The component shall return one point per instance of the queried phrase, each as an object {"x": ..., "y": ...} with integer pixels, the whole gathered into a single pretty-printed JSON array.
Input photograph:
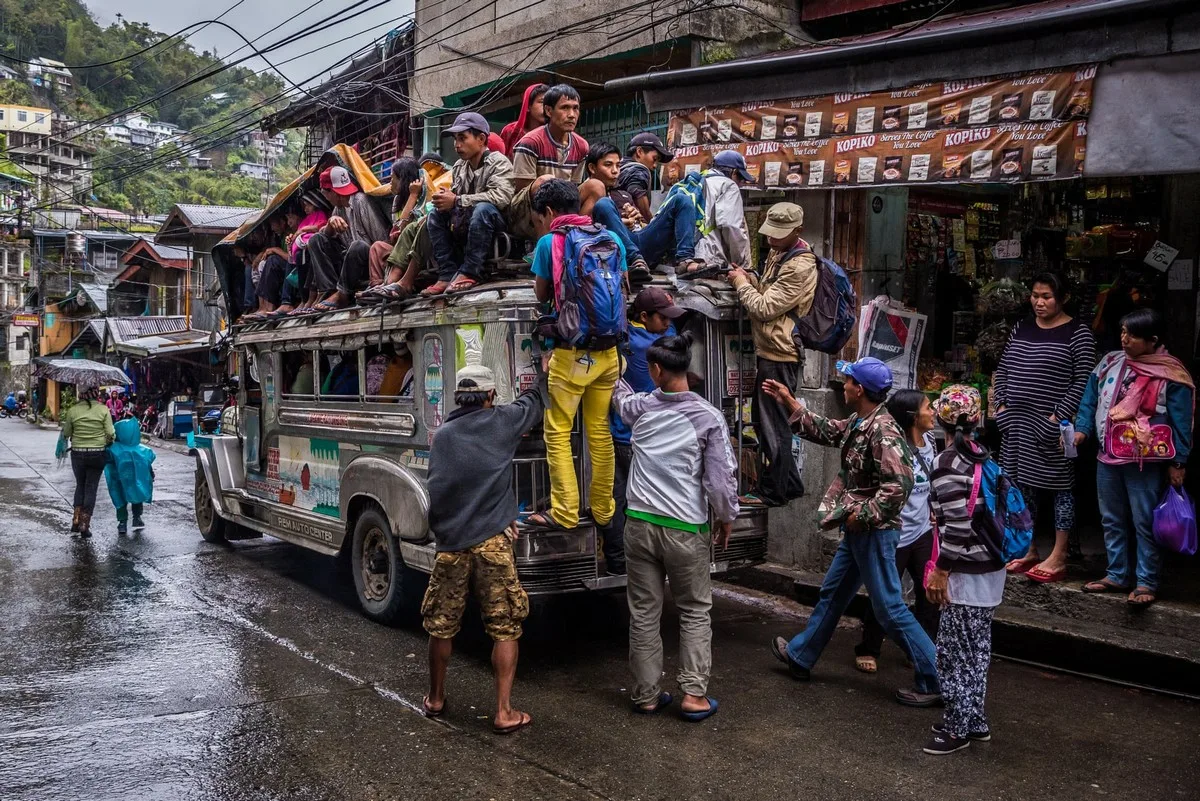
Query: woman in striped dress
[{"x": 1039, "y": 383}]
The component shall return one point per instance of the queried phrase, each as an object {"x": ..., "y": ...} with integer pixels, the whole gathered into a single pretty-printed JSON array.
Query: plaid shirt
[{"x": 877, "y": 467}]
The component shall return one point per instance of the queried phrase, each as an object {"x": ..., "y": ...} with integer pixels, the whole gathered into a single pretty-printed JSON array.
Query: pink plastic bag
[{"x": 1175, "y": 522}]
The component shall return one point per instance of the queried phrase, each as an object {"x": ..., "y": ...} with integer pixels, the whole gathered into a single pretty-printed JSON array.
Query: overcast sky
[{"x": 259, "y": 21}]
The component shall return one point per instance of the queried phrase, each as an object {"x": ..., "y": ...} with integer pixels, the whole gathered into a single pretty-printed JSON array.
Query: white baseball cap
[{"x": 337, "y": 179}]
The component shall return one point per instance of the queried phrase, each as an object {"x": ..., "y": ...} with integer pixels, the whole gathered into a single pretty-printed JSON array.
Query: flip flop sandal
[
  {"x": 1045, "y": 576},
  {"x": 429, "y": 711},
  {"x": 696, "y": 717},
  {"x": 326, "y": 306},
  {"x": 866, "y": 664},
  {"x": 1019, "y": 567},
  {"x": 1102, "y": 586},
  {"x": 434, "y": 291},
  {"x": 539, "y": 521},
  {"x": 526, "y": 720},
  {"x": 664, "y": 701},
  {"x": 703, "y": 272},
  {"x": 1138, "y": 592},
  {"x": 460, "y": 285}
]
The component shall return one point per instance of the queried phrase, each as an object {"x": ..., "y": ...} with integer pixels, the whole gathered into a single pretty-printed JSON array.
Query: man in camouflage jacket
[{"x": 865, "y": 501}]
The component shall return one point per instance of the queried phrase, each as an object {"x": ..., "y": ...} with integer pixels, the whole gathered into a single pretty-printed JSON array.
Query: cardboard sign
[{"x": 1161, "y": 256}]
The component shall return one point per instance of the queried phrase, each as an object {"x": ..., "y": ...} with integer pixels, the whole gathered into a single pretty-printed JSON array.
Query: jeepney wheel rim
[
  {"x": 203, "y": 504},
  {"x": 376, "y": 565}
]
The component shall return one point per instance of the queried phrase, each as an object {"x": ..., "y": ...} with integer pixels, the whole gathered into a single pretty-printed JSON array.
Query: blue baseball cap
[
  {"x": 733, "y": 160},
  {"x": 869, "y": 372}
]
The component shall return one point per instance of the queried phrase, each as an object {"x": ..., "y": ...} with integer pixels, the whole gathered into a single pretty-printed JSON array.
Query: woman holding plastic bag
[
  {"x": 129, "y": 474},
  {"x": 1139, "y": 405}
]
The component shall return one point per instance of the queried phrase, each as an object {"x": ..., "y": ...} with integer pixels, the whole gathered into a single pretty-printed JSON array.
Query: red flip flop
[
  {"x": 1045, "y": 576},
  {"x": 1021, "y": 566}
]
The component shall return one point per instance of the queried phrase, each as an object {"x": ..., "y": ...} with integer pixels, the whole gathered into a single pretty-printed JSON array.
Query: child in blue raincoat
[{"x": 129, "y": 474}]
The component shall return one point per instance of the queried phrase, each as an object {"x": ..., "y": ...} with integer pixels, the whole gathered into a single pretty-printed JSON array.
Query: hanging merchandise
[{"x": 892, "y": 333}]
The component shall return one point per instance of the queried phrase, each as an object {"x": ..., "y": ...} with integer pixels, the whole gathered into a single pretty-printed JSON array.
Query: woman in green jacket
[{"x": 88, "y": 427}]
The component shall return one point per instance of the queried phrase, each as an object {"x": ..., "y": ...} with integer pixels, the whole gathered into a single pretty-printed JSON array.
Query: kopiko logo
[
  {"x": 1081, "y": 129},
  {"x": 690, "y": 150},
  {"x": 753, "y": 106},
  {"x": 855, "y": 143},
  {"x": 760, "y": 148},
  {"x": 847, "y": 98},
  {"x": 1086, "y": 74},
  {"x": 954, "y": 87},
  {"x": 967, "y": 137}
]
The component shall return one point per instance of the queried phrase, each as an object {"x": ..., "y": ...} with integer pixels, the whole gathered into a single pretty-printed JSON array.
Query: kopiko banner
[{"x": 1011, "y": 128}]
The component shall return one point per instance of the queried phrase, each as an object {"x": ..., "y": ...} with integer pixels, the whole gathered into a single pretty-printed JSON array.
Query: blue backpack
[
  {"x": 831, "y": 319},
  {"x": 1004, "y": 521},
  {"x": 588, "y": 293}
]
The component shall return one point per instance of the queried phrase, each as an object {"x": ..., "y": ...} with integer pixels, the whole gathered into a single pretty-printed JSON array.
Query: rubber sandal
[
  {"x": 459, "y": 285},
  {"x": 1102, "y": 586},
  {"x": 779, "y": 649},
  {"x": 526, "y": 720},
  {"x": 539, "y": 521},
  {"x": 429, "y": 711},
  {"x": 325, "y": 306},
  {"x": 1018, "y": 567},
  {"x": 1140, "y": 591},
  {"x": 437, "y": 289},
  {"x": 696, "y": 717},
  {"x": 1045, "y": 576},
  {"x": 866, "y": 664},
  {"x": 664, "y": 701}
]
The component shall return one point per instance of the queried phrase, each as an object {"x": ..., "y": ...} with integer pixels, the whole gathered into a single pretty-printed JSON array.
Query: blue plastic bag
[{"x": 1175, "y": 522}]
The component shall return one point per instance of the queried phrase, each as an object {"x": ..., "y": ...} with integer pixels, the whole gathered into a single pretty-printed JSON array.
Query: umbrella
[{"x": 81, "y": 372}]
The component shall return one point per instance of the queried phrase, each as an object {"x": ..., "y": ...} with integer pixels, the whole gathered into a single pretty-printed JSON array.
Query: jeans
[
  {"x": 485, "y": 222},
  {"x": 778, "y": 478},
  {"x": 249, "y": 294},
  {"x": 911, "y": 559},
  {"x": 87, "y": 466},
  {"x": 1127, "y": 500},
  {"x": 869, "y": 559},
  {"x": 580, "y": 378},
  {"x": 672, "y": 231},
  {"x": 656, "y": 555}
]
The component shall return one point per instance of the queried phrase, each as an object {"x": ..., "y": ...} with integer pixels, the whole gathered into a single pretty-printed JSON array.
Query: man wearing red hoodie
[{"x": 532, "y": 116}]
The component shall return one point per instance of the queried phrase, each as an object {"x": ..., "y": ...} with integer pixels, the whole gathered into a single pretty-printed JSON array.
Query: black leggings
[
  {"x": 87, "y": 466},
  {"x": 911, "y": 558}
]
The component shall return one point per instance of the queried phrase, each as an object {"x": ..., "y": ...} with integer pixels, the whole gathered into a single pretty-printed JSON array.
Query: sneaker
[
  {"x": 138, "y": 524},
  {"x": 977, "y": 736},
  {"x": 122, "y": 528},
  {"x": 779, "y": 650},
  {"x": 917, "y": 698},
  {"x": 940, "y": 744}
]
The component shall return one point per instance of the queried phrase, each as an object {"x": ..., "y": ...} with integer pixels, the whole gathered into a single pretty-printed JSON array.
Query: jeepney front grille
[
  {"x": 558, "y": 575},
  {"x": 751, "y": 548}
]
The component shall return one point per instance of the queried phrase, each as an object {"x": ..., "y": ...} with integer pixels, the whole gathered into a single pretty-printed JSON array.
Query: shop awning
[{"x": 165, "y": 344}]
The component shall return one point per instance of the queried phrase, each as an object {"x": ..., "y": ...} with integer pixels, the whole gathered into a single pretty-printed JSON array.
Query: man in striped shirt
[{"x": 553, "y": 150}]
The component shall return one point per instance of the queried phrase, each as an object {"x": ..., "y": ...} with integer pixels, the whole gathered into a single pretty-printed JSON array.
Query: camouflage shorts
[{"x": 491, "y": 568}]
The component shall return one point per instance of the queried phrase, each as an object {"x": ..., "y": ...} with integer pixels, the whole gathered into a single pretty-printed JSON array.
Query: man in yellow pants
[{"x": 581, "y": 267}]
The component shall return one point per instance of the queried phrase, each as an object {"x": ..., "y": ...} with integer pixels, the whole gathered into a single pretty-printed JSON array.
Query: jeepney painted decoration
[
  {"x": 269, "y": 404},
  {"x": 526, "y": 370},
  {"x": 435, "y": 401},
  {"x": 251, "y": 437},
  {"x": 309, "y": 474},
  {"x": 488, "y": 345}
]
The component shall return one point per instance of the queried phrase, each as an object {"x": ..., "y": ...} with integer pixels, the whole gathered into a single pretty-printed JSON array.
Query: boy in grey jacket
[
  {"x": 472, "y": 509},
  {"x": 683, "y": 466}
]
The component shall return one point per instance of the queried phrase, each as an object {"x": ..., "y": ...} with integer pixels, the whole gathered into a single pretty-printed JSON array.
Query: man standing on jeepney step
[
  {"x": 865, "y": 501},
  {"x": 552, "y": 150},
  {"x": 774, "y": 303},
  {"x": 472, "y": 509}
]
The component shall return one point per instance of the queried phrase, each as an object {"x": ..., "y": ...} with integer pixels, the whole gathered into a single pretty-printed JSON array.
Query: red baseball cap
[{"x": 337, "y": 179}]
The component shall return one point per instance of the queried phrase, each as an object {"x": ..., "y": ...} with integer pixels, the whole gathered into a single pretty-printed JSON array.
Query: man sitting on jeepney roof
[
  {"x": 467, "y": 217},
  {"x": 472, "y": 510},
  {"x": 340, "y": 252}
]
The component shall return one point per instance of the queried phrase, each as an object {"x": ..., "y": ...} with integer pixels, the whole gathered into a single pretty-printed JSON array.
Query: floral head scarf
[{"x": 957, "y": 400}]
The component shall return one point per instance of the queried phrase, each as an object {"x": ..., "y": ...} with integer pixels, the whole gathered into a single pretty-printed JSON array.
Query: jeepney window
[
  {"x": 491, "y": 345},
  {"x": 389, "y": 373},
  {"x": 338, "y": 373},
  {"x": 433, "y": 406},
  {"x": 296, "y": 369}
]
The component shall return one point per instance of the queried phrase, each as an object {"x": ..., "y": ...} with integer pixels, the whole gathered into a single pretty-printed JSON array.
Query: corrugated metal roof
[
  {"x": 97, "y": 294},
  {"x": 167, "y": 251},
  {"x": 160, "y": 344},
  {"x": 228, "y": 217},
  {"x": 124, "y": 329}
]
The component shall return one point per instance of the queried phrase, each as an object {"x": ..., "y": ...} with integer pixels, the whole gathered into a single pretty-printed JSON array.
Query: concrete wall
[{"x": 515, "y": 36}]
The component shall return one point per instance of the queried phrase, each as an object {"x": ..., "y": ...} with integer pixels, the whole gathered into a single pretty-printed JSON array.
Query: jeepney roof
[{"x": 498, "y": 301}]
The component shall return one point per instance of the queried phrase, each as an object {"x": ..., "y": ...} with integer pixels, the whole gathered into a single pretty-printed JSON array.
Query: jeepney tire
[
  {"x": 212, "y": 527},
  {"x": 393, "y": 599}
]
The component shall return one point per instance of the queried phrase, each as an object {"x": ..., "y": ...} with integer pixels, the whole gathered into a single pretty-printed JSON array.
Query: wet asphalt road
[{"x": 161, "y": 667}]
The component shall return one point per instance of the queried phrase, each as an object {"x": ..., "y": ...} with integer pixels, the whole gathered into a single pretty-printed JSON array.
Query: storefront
[{"x": 955, "y": 163}]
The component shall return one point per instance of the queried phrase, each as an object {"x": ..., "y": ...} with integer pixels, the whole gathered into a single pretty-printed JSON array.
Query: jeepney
[{"x": 319, "y": 461}]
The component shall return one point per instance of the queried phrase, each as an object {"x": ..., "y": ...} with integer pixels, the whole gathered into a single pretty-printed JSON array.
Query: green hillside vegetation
[{"x": 64, "y": 30}]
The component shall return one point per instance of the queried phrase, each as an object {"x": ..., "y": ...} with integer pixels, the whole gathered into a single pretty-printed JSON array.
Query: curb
[{"x": 166, "y": 445}]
